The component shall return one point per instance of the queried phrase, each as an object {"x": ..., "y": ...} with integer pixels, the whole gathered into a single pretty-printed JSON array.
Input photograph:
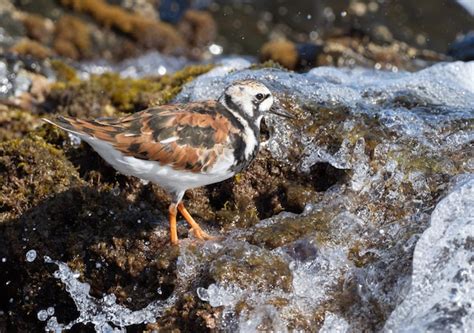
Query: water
[
  {"x": 31, "y": 255},
  {"x": 150, "y": 64},
  {"x": 404, "y": 144},
  {"x": 104, "y": 313},
  {"x": 469, "y": 5},
  {"x": 441, "y": 296}
]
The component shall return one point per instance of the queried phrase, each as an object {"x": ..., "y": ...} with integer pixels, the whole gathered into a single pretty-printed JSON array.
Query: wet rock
[
  {"x": 27, "y": 47},
  {"x": 243, "y": 266},
  {"x": 23, "y": 75},
  {"x": 463, "y": 47},
  {"x": 151, "y": 63},
  {"x": 109, "y": 94},
  {"x": 37, "y": 27},
  {"x": 148, "y": 33},
  {"x": 349, "y": 51},
  {"x": 72, "y": 38},
  {"x": 32, "y": 170},
  {"x": 16, "y": 123}
]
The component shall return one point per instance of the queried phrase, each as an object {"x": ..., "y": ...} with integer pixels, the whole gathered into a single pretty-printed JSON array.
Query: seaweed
[{"x": 147, "y": 32}]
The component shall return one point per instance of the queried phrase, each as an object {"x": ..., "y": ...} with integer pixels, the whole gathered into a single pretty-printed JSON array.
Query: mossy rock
[
  {"x": 146, "y": 32},
  {"x": 30, "y": 171},
  {"x": 288, "y": 229},
  {"x": 28, "y": 47},
  {"x": 246, "y": 265},
  {"x": 16, "y": 123},
  {"x": 110, "y": 94}
]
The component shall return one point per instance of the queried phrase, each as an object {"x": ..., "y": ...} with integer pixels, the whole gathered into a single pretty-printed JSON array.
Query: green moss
[
  {"x": 244, "y": 266},
  {"x": 109, "y": 94},
  {"x": 30, "y": 171},
  {"x": 286, "y": 230},
  {"x": 15, "y": 123},
  {"x": 64, "y": 72},
  {"x": 268, "y": 64}
]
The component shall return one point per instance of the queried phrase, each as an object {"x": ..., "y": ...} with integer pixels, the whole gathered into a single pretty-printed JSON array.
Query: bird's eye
[{"x": 259, "y": 97}]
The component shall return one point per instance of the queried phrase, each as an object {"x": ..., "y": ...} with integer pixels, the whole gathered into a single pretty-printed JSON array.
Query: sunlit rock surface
[{"x": 358, "y": 180}]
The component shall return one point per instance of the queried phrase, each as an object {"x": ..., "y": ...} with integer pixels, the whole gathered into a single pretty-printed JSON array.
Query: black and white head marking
[{"x": 248, "y": 101}]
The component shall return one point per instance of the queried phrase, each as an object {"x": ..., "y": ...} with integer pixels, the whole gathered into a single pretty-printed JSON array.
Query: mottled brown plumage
[{"x": 196, "y": 134}]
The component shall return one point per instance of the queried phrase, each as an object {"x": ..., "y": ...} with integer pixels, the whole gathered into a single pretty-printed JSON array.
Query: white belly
[{"x": 165, "y": 176}]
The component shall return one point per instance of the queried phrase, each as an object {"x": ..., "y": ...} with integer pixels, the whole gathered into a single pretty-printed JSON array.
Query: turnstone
[{"x": 182, "y": 146}]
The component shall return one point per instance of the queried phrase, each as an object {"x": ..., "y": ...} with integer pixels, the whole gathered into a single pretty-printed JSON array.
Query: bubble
[
  {"x": 202, "y": 294},
  {"x": 42, "y": 315},
  {"x": 31, "y": 255}
]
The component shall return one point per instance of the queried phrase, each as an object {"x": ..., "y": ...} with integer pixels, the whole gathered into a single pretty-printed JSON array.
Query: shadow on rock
[{"x": 115, "y": 246}]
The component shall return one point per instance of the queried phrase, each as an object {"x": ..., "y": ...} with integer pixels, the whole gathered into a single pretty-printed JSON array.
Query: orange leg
[
  {"x": 198, "y": 232},
  {"x": 173, "y": 229}
]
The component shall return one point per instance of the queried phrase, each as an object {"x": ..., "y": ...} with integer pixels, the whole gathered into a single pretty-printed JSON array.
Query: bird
[{"x": 184, "y": 145}]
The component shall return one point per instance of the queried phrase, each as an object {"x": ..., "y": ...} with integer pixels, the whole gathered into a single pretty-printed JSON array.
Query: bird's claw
[{"x": 201, "y": 234}]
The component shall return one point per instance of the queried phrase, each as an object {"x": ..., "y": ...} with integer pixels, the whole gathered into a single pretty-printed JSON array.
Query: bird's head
[{"x": 251, "y": 99}]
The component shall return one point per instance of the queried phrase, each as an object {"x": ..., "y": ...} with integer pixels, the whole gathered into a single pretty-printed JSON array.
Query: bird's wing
[{"x": 183, "y": 136}]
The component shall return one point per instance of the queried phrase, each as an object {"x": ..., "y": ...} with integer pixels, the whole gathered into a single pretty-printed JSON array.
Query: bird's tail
[{"x": 65, "y": 123}]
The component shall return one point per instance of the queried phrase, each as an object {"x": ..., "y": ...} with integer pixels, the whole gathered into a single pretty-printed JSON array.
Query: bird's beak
[{"x": 279, "y": 111}]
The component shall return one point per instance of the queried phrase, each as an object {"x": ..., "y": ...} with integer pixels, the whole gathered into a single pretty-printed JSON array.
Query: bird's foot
[{"x": 201, "y": 234}]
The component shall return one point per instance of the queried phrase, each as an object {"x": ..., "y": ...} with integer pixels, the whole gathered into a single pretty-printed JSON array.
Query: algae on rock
[
  {"x": 30, "y": 171},
  {"x": 109, "y": 94}
]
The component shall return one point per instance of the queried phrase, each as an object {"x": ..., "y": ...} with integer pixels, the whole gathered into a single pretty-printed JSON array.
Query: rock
[
  {"x": 463, "y": 47},
  {"x": 108, "y": 94},
  {"x": 147, "y": 32},
  {"x": 31, "y": 48},
  {"x": 72, "y": 38},
  {"x": 32, "y": 170}
]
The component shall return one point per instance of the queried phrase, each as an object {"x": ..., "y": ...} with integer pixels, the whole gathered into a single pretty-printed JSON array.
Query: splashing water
[
  {"x": 401, "y": 137},
  {"x": 103, "y": 312},
  {"x": 441, "y": 297}
]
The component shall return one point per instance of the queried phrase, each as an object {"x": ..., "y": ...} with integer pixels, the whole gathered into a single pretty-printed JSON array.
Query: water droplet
[
  {"x": 162, "y": 70},
  {"x": 115, "y": 191},
  {"x": 42, "y": 315},
  {"x": 216, "y": 49},
  {"x": 50, "y": 311},
  {"x": 31, "y": 255},
  {"x": 109, "y": 299},
  {"x": 4, "y": 259},
  {"x": 203, "y": 294}
]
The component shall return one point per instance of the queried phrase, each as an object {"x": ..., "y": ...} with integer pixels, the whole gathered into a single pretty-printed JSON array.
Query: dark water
[{"x": 245, "y": 25}]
